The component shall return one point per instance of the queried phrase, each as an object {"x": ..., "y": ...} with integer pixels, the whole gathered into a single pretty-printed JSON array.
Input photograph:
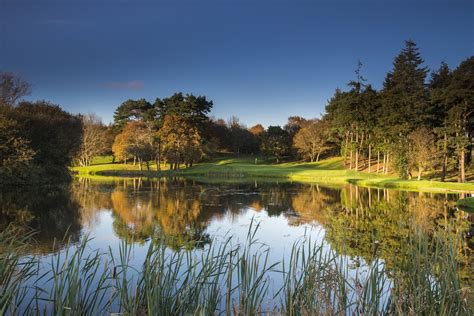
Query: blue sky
[{"x": 260, "y": 60}]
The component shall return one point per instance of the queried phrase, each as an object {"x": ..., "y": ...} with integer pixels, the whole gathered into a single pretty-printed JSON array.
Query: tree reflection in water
[
  {"x": 52, "y": 213},
  {"x": 354, "y": 218}
]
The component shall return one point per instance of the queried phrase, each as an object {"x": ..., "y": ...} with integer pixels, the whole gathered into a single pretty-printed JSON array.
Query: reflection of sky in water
[
  {"x": 273, "y": 231},
  {"x": 286, "y": 214}
]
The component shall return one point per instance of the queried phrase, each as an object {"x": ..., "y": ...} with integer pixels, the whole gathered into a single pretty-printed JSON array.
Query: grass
[
  {"x": 235, "y": 278},
  {"x": 329, "y": 171},
  {"x": 466, "y": 204}
]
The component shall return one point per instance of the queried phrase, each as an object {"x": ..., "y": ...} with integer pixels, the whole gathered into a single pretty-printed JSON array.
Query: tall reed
[
  {"x": 232, "y": 278},
  {"x": 15, "y": 270}
]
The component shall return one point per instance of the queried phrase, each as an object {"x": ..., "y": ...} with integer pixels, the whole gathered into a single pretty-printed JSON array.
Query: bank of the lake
[{"x": 329, "y": 171}]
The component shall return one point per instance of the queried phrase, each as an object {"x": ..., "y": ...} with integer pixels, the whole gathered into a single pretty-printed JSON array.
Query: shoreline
[{"x": 328, "y": 171}]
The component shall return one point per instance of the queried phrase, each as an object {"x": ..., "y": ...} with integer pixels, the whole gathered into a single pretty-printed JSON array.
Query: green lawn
[
  {"x": 329, "y": 171},
  {"x": 466, "y": 204}
]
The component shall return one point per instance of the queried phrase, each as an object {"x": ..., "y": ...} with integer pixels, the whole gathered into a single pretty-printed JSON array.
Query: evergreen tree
[
  {"x": 132, "y": 110},
  {"x": 276, "y": 142},
  {"x": 440, "y": 80},
  {"x": 405, "y": 103},
  {"x": 460, "y": 101},
  {"x": 404, "y": 96}
]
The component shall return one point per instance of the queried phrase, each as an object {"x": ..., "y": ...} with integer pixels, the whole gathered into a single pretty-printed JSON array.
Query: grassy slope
[
  {"x": 328, "y": 171},
  {"x": 467, "y": 204}
]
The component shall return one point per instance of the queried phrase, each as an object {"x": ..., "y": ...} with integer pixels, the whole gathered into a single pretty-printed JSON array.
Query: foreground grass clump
[
  {"x": 230, "y": 278},
  {"x": 15, "y": 270}
]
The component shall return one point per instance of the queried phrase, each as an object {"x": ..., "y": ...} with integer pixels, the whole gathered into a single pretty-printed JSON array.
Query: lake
[{"x": 360, "y": 225}]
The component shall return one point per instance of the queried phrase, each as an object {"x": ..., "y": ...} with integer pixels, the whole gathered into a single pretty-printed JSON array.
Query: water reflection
[
  {"x": 53, "y": 213},
  {"x": 354, "y": 218}
]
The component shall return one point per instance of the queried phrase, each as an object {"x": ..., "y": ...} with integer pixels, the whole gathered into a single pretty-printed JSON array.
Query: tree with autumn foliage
[
  {"x": 423, "y": 153},
  {"x": 181, "y": 143},
  {"x": 312, "y": 139},
  {"x": 136, "y": 141}
]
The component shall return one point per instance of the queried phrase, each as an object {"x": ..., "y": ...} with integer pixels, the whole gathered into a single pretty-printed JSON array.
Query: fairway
[{"x": 328, "y": 171}]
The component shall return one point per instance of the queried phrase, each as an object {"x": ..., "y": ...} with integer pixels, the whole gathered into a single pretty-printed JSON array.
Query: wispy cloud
[{"x": 130, "y": 85}]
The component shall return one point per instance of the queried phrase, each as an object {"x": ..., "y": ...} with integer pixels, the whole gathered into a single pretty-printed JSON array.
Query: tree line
[
  {"x": 412, "y": 125},
  {"x": 38, "y": 140}
]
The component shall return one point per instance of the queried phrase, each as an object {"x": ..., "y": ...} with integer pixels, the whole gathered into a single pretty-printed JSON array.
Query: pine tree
[
  {"x": 439, "y": 83},
  {"x": 405, "y": 102},
  {"x": 460, "y": 101}
]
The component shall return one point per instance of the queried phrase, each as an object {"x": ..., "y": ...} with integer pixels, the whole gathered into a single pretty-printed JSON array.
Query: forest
[{"x": 419, "y": 124}]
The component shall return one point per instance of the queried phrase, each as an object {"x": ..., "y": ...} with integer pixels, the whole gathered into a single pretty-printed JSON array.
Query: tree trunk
[
  {"x": 384, "y": 160},
  {"x": 462, "y": 171},
  {"x": 345, "y": 151},
  {"x": 378, "y": 161},
  {"x": 388, "y": 159},
  {"x": 445, "y": 158},
  {"x": 370, "y": 158},
  {"x": 350, "y": 155},
  {"x": 420, "y": 171},
  {"x": 159, "y": 155},
  {"x": 357, "y": 151},
  {"x": 317, "y": 157}
]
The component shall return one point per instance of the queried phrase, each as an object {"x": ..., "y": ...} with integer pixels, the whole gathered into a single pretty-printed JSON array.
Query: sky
[{"x": 261, "y": 60}]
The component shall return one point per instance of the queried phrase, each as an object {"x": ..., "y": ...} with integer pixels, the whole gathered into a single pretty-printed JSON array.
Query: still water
[{"x": 347, "y": 219}]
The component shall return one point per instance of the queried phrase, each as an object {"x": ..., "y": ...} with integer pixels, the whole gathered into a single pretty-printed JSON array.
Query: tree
[
  {"x": 353, "y": 119},
  {"x": 422, "y": 149},
  {"x": 136, "y": 141},
  {"x": 340, "y": 116},
  {"x": 192, "y": 109},
  {"x": 53, "y": 134},
  {"x": 460, "y": 100},
  {"x": 12, "y": 88},
  {"x": 242, "y": 140},
  {"x": 15, "y": 153},
  {"x": 257, "y": 130},
  {"x": 133, "y": 110},
  {"x": 181, "y": 142},
  {"x": 276, "y": 142},
  {"x": 94, "y": 139},
  {"x": 217, "y": 136},
  {"x": 404, "y": 96},
  {"x": 38, "y": 140},
  {"x": 312, "y": 139},
  {"x": 439, "y": 83},
  {"x": 294, "y": 124},
  {"x": 405, "y": 105}
]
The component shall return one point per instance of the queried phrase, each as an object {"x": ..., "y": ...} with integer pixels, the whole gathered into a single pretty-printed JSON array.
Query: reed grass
[
  {"x": 231, "y": 277},
  {"x": 15, "y": 269}
]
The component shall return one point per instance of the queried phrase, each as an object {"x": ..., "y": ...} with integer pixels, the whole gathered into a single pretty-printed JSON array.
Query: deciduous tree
[
  {"x": 422, "y": 153},
  {"x": 94, "y": 139},
  {"x": 276, "y": 142},
  {"x": 312, "y": 139}
]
